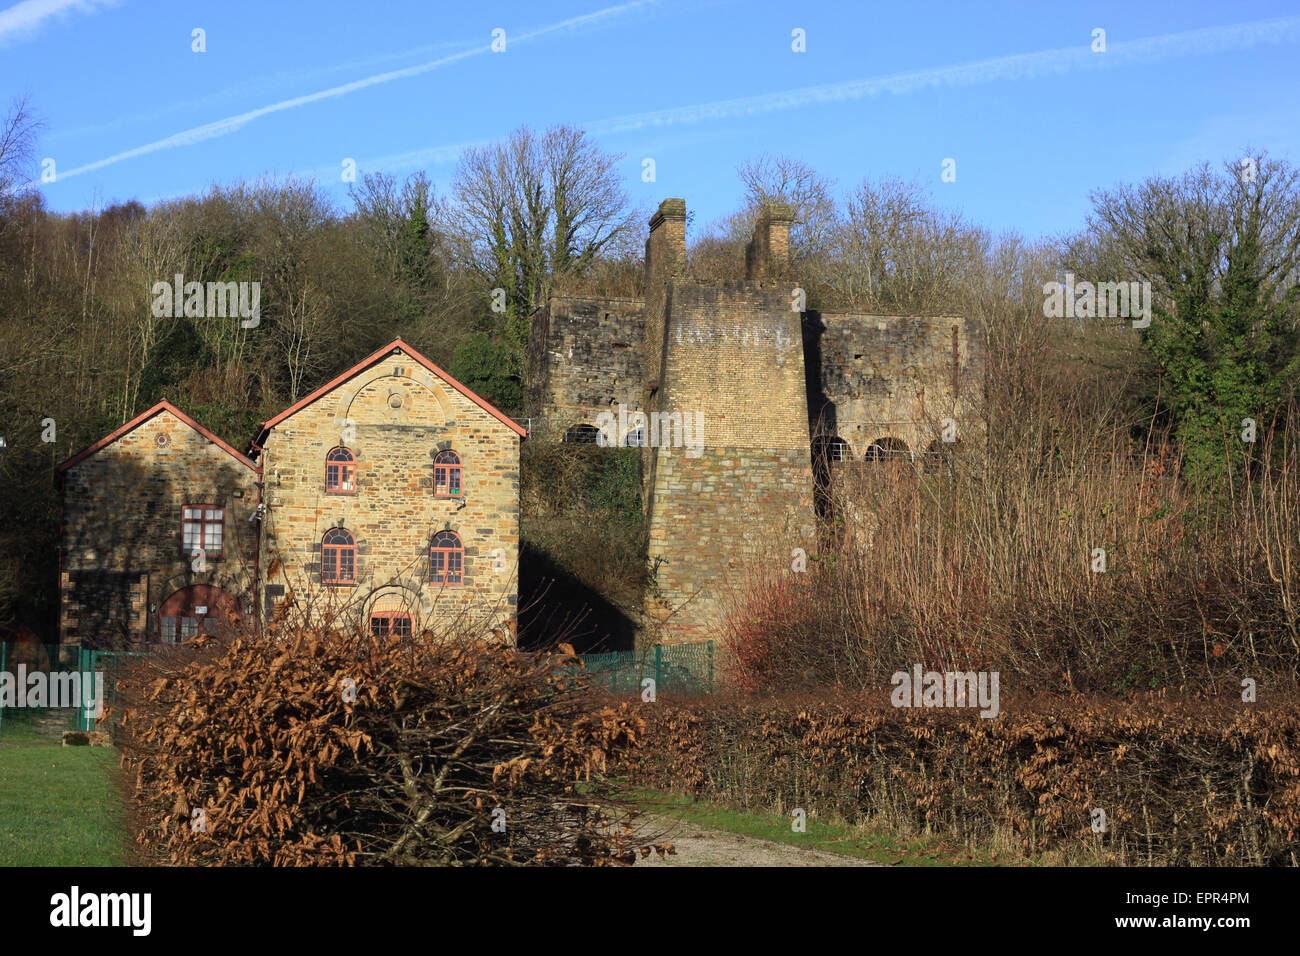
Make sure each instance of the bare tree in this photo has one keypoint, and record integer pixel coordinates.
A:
(289, 220)
(18, 132)
(534, 209)
(897, 252)
(803, 189)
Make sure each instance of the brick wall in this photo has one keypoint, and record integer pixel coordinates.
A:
(665, 258)
(716, 520)
(733, 353)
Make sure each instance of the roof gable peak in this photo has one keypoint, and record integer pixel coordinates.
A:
(146, 416)
(395, 346)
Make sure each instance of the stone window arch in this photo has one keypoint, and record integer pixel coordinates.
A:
(447, 559)
(888, 449)
(832, 449)
(338, 557)
(390, 616)
(447, 474)
(340, 472)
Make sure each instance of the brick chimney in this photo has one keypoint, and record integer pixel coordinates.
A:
(768, 252)
(665, 250)
(665, 259)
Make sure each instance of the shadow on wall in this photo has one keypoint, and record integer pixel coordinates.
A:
(556, 606)
(124, 554)
(823, 421)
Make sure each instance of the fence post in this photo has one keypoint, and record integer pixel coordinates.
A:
(659, 667)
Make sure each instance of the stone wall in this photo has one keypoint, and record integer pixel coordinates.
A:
(584, 358)
(889, 376)
(717, 521)
(122, 552)
(718, 512)
(665, 259)
(400, 416)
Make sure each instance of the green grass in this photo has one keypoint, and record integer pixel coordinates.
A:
(59, 806)
(863, 842)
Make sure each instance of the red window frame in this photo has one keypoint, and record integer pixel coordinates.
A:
(204, 523)
(338, 551)
(340, 466)
(447, 559)
(448, 472)
(391, 624)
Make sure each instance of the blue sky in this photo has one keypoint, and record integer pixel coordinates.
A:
(1011, 91)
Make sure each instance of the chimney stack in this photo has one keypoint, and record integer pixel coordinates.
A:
(665, 250)
(768, 252)
(665, 259)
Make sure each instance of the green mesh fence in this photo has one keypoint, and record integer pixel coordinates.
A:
(73, 671)
(19, 718)
(675, 669)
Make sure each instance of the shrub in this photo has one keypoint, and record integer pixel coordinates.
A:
(309, 747)
(1209, 781)
(992, 563)
(487, 368)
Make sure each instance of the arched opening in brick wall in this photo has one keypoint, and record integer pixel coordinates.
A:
(198, 609)
(391, 616)
(888, 449)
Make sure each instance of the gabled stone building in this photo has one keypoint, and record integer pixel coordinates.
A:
(156, 538)
(389, 496)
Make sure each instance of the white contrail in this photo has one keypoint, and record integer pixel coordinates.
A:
(1019, 66)
(230, 124)
(26, 17)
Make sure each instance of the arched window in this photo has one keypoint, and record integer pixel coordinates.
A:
(340, 472)
(446, 475)
(390, 616)
(338, 557)
(199, 608)
(446, 559)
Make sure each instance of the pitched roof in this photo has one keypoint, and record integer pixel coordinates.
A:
(139, 420)
(397, 345)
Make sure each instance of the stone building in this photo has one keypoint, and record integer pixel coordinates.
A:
(390, 496)
(742, 401)
(156, 538)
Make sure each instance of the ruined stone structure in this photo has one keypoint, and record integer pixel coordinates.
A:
(776, 388)
(389, 495)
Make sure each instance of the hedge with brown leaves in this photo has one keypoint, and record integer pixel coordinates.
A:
(1181, 782)
(329, 749)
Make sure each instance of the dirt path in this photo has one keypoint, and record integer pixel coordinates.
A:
(704, 846)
